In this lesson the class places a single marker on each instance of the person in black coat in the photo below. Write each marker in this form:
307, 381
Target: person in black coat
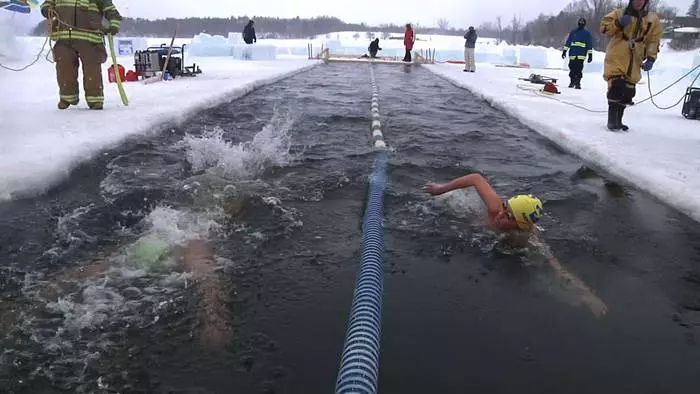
249, 33
374, 48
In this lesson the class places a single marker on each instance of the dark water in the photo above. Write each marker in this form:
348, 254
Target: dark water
462, 310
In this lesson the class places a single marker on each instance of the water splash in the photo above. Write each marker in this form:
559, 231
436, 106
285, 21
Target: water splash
272, 146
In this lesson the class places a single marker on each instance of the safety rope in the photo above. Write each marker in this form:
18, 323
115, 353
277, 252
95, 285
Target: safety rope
53, 16
539, 92
651, 96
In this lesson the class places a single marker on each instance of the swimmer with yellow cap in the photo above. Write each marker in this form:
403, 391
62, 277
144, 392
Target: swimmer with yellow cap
519, 212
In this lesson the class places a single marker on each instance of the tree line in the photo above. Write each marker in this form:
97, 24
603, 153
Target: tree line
265, 27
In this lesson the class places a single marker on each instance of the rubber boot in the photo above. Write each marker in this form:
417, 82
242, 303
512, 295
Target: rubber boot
63, 104
620, 114
571, 83
95, 106
614, 117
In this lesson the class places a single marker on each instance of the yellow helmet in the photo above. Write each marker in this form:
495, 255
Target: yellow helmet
526, 209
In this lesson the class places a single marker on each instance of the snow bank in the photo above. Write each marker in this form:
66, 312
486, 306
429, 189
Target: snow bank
206, 45
658, 155
536, 57
254, 52
41, 145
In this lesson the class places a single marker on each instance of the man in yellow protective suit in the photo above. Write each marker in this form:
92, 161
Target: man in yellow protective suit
76, 26
635, 34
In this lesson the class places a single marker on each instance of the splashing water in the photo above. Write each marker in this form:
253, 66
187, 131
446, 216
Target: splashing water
269, 147
83, 312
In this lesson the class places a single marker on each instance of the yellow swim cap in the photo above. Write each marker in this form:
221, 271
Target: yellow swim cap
526, 209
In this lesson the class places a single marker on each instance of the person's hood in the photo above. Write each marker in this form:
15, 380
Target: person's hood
471, 28
630, 9
251, 23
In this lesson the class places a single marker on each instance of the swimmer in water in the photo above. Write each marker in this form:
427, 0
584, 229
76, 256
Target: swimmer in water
518, 214
521, 212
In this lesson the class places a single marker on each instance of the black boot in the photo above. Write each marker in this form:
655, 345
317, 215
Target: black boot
620, 113
571, 83
577, 83
614, 117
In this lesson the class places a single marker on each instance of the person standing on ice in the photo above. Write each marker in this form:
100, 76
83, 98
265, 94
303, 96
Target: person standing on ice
409, 38
579, 44
469, 45
249, 33
77, 28
636, 34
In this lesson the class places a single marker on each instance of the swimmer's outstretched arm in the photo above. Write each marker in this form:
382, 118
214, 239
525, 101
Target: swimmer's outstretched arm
488, 195
595, 304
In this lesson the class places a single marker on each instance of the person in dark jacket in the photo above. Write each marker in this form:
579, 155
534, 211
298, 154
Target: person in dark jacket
249, 33
374, 48
409, 39
469, 44
579, 44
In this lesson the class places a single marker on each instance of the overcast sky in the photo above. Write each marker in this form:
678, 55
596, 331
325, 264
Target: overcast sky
458, 12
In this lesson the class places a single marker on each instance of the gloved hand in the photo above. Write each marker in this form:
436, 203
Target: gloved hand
590, 57
563, 54
112, 30
647, 64
625, 20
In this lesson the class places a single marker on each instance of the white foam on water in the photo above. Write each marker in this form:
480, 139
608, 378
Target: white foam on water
92, 303
270, 147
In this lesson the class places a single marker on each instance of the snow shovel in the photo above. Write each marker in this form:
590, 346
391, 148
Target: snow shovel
122, 93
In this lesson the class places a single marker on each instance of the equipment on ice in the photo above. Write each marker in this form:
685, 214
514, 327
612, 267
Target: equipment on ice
539, 79
150, 62
691, 103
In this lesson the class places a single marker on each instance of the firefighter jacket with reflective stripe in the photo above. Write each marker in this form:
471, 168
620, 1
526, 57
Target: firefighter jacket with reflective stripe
579, 44
81, 19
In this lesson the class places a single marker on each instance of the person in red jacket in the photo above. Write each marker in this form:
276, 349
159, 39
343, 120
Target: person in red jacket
408, 39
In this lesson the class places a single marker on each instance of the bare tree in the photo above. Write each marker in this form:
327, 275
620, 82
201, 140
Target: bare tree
499, 28
694, 9
515, 25
443, 24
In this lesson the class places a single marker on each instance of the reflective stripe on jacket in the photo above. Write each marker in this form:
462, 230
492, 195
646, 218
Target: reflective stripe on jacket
81, 19
579, 44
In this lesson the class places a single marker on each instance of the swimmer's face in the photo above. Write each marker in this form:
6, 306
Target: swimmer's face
506, 219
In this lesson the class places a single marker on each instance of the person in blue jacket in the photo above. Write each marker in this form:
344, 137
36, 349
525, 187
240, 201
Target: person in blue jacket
579, 45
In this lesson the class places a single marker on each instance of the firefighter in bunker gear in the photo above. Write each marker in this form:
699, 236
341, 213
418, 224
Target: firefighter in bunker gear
579, 45
635, 36
77, 29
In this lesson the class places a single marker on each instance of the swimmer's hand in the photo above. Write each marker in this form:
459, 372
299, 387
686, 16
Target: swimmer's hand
434, 189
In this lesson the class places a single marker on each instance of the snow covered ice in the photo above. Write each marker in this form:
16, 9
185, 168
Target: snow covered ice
41, 145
